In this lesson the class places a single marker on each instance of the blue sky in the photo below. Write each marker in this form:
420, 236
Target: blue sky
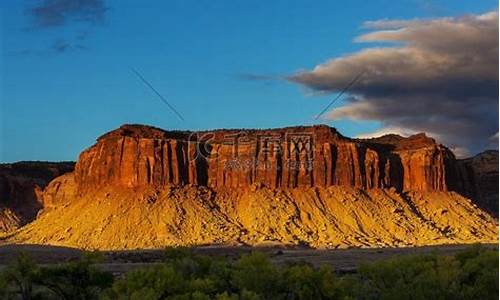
56, 101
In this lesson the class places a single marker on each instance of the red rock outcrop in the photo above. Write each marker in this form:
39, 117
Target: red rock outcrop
143, 187
21, 186
477, 178
141, 156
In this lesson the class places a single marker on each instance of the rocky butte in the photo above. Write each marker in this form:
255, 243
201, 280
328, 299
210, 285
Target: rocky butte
318, 156
141, 186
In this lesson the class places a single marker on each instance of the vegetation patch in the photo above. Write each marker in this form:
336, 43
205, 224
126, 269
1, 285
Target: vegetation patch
471, 274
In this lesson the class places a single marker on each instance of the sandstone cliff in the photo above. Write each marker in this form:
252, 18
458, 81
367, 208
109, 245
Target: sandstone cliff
140, 186
318, 156
21, 187
477, 178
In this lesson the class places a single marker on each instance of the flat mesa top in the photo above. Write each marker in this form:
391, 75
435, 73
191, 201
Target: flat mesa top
321, 133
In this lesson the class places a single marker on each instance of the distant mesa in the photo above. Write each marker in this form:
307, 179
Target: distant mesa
140, 186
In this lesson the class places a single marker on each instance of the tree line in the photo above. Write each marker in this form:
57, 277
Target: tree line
183, 275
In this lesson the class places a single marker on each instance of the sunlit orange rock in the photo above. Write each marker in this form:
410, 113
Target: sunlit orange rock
135, 155
143, 187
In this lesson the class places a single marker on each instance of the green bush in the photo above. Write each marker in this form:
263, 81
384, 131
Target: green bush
304, 282
76, 280
256, 273
252, 277
24, 279
471, 274
20, 279
182, 276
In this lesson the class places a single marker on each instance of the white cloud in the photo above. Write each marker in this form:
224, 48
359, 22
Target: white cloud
440, 78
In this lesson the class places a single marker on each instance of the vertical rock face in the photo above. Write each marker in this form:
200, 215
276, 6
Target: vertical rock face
477, 178
21, 185
140, 186
140, 156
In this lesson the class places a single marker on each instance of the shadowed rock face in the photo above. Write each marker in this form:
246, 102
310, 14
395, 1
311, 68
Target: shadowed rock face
21, 186
317, 156
477, 178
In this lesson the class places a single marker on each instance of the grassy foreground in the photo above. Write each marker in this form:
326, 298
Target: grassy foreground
471, 274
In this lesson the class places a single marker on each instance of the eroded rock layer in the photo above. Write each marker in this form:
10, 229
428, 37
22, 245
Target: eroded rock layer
142, 187
333, 217
134, 156
477, 178
21, 186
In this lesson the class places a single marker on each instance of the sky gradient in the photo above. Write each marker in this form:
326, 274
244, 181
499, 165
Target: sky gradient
66, 68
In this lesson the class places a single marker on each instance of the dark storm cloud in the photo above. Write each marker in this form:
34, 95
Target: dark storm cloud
53, 13
441, 78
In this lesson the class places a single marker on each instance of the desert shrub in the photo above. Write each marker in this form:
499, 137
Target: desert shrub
478, 276
154, 282
407, 278
252, 277
19, 279
472, 274
255, 273
304, 282
76, 280
24, 279
183, 275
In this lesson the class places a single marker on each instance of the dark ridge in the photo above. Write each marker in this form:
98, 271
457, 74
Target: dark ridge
416, 141
37, 169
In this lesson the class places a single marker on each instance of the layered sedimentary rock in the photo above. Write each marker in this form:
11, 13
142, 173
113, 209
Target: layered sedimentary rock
142, 187
477, 178
21, 187
135, 156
